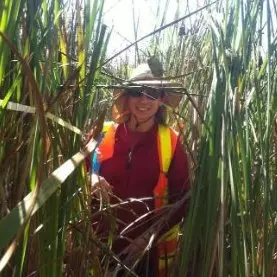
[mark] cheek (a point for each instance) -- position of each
(131, 103)
(156, 105)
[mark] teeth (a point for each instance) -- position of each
(142, 109)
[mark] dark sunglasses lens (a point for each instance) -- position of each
(133, 92)
(154, 93)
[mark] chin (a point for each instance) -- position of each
(144, 115)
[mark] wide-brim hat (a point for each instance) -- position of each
(142, 76)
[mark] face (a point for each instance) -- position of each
(143, 107)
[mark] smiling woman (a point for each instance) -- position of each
(142, 104)
(146, 98)
(139, 157)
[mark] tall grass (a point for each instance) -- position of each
(55, 46)
(225, 55)
(230, 229)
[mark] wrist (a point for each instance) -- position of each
(95, 178)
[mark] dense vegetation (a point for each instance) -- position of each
(53, 58)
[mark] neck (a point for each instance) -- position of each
(144, 126)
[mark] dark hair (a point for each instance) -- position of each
(161, 116)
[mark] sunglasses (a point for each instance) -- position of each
(151, 93)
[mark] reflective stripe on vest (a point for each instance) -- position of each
(166, 141)
(167, 244)
(105, 148)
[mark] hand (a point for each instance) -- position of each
(100, 187)
(137, 248)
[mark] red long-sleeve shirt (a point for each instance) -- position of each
(133, 172)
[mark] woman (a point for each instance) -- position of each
(140, 158)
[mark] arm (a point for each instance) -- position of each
(178, 175)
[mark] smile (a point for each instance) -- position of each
(143, 109)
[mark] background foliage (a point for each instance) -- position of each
(52, 56)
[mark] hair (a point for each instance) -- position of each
(162, 115)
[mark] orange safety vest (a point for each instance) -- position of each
(166, 141)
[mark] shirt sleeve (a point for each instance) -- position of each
(178, 174)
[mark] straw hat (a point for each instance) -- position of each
(143, 76)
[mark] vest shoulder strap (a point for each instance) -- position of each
(167, 140)
(106, 146)
(107, 125)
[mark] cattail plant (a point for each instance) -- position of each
(53, 56)
(50, 57)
